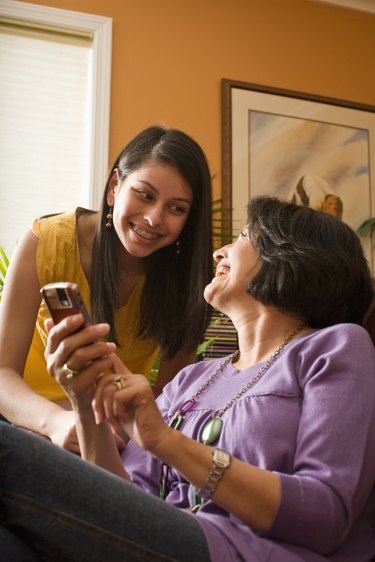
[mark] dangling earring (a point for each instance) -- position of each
(109, 222)
(177, 247)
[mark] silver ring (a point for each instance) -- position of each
(68, 372)
(119, 383)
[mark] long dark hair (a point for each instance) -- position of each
(173, 310)
(312, 264)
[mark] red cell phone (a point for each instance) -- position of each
(64, 299)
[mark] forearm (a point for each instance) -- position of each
(20, 405)
(250, 493)
(97, 442)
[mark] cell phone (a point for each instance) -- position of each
(64, 299)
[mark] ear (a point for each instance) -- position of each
(113, 183)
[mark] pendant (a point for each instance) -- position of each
(176, 421)
(211, 431)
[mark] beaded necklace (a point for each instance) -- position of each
(211, 430)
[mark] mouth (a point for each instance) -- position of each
(222, 271)
(143, 233)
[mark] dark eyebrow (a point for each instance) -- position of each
(182, 199)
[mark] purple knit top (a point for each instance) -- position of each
(310, 419)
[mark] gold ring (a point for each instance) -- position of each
(119, 383)
(68, 372)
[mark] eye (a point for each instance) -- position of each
(144, 194)
(178, 209)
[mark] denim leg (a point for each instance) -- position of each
(68, 509)
(14, 549)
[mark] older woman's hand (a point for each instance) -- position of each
(126, 400)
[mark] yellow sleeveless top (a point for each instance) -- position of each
(58, 259)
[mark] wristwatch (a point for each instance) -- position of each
(221, 461)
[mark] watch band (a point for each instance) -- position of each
(221, 461)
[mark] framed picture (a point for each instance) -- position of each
(312, 150)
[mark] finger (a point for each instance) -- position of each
(106, 388)
(57, 332)
(84, 356)
(120, 443)
(59, 363)
(108, 396)
(137, 390)
(119, 367)
(101, 394)
(71, 334)
(48, 324)
(86, 377)
(74, 448)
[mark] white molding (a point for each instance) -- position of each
(361, 5)
(101, 29)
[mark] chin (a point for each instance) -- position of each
(211, 297)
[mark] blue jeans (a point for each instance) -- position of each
(65, 508)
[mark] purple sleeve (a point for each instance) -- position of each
(334, 465)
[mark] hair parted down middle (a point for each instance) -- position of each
(173, 310)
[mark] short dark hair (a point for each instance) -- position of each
(313, 265)
(173, 310)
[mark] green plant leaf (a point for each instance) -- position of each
(4, 262)
(367, 228)
(4, 257)
(204, 345)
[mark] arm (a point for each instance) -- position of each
(86, 352)
(250, 493)
(334, 460)
(18, 312)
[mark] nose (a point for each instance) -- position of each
(221, 253)
(153, 215)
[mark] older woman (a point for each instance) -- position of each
(267, 455)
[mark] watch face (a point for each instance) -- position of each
(221, 458)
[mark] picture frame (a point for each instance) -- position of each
(299, 147)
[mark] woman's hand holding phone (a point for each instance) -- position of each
(70, 317)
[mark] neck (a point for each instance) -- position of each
(128, 264)
(258, 338)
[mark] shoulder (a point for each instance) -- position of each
(48, 223)
(338, 337)
(343, 351)
(63, 223)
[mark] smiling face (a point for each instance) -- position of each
(150, 208)
(237, 264)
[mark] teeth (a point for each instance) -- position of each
(220, 271)
(144, 234)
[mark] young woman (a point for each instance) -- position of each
(265, 456)
(141, 263)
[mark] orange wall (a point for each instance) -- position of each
(169, 57)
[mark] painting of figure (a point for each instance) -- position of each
(315, 192)
(313, 163)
